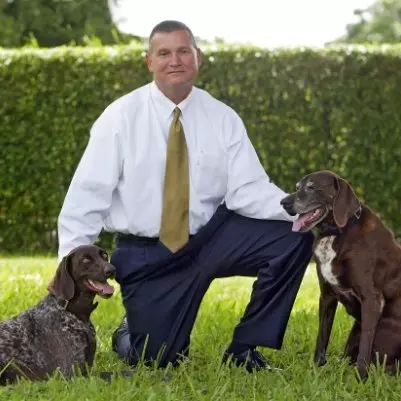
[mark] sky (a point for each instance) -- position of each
(265, 23)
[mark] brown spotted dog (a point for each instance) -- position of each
(358, 264)
(57, 334)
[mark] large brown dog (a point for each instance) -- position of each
(358, 264)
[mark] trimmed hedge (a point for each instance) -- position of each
(304, 109)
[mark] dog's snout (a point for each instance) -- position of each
(109, 270)
(288, 203)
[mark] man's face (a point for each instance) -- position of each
(173, 59)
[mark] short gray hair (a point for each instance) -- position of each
(168, 26)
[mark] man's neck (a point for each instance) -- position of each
(176, 93)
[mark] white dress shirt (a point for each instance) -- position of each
(118, 184)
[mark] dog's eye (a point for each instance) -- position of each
(310, 185)
(86, 260)
(105, 256)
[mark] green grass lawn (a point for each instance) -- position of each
(23, 281)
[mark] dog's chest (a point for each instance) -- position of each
(325, 254)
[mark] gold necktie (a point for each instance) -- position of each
(174, 229)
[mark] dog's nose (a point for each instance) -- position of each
(109, 270)
(287, 203)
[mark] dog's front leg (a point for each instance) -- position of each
(327, 310)
(371, 309)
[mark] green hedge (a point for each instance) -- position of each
(336, 109)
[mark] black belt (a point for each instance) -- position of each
(135, 239)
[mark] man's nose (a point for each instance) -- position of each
(175, 59)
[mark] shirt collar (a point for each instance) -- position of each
(164, 105)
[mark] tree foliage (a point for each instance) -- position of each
(379, 23)
(56, 22)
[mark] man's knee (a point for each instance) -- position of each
(306, 240)
(301, 241)
(304, 246)
(304, 249)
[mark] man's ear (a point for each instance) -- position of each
(199, 55)
(63, 285)
(148, 59)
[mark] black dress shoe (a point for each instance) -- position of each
(120, 340)
(250, 358)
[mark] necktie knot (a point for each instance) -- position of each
(177, 113)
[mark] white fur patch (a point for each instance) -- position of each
(325, 253)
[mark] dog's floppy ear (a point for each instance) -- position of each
(63, 285)
(346, 203)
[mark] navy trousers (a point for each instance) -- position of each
(162, 291)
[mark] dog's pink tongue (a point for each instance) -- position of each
(298, 224)
(105, 288)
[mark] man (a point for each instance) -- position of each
(172, 171)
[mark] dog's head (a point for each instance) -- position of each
(85, 270)
(318, 196)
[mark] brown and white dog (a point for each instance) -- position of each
(358, 264)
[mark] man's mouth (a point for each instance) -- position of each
(103, 289)
(306, 221)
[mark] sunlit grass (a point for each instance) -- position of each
(23, 282)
